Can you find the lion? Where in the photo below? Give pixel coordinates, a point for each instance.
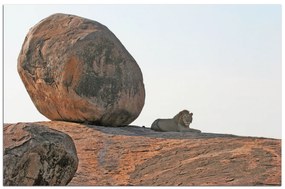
(179, 123)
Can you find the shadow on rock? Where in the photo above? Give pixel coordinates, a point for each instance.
(147, 132)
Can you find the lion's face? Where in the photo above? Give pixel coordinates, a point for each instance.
(186, 119)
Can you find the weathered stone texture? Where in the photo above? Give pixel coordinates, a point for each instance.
(37, 155)
(75, 69)
(142, 157)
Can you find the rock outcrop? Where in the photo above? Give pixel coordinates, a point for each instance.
(37, 155)
(142, 157)
(75, 69)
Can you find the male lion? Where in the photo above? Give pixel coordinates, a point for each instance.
(180, 123)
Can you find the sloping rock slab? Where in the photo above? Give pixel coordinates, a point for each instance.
(142, 157)
(37, 155)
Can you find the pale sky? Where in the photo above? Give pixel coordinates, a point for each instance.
(222, 62)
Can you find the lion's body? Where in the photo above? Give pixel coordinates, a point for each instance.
(167, 125)
(180, 123)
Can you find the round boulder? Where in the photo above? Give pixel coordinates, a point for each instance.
(37, 155)
(76, 69)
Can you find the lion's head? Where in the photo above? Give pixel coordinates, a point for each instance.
(184, 118)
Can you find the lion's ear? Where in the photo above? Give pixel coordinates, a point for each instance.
(191, 113)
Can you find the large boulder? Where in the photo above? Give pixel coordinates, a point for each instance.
(37, 155)
(75, 69)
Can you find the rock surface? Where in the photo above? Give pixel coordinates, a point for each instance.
(139, 156)
(75, 69)
(37, 155)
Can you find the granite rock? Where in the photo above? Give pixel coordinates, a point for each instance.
(75, 69)
(37, 155)
(132, 155)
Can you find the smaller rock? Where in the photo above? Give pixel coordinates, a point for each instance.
(37, 155)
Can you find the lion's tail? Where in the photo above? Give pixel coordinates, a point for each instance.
(154, 125)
